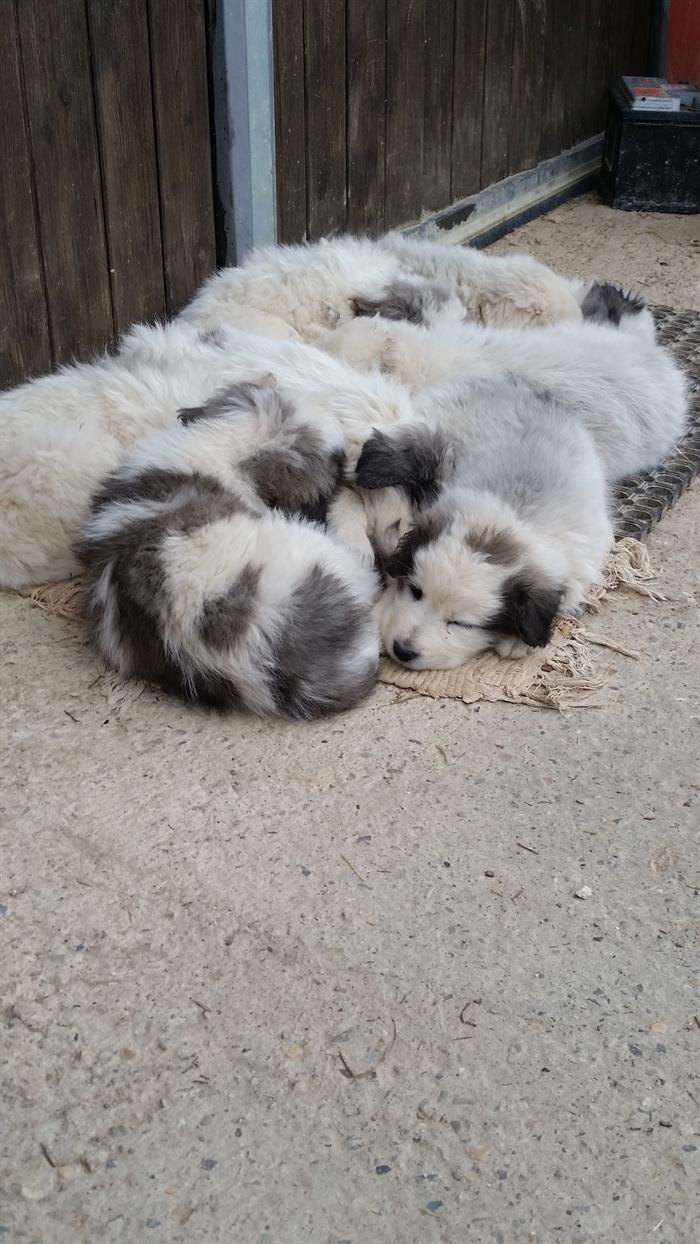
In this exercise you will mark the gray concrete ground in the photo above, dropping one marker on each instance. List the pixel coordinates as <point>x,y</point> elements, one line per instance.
<point>266,984</point>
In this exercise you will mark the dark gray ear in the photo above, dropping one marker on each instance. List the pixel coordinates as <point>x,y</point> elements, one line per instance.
<point>415,459</point>
<point>400,564</point>
<point>228,401</point>
<point>528,611</point>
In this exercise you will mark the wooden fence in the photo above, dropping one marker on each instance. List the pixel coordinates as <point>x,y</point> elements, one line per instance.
<point>385,109</point>
<point>389,108</point>
<point>106,198</point>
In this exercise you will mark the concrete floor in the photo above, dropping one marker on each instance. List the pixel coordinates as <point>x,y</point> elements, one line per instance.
<point>267,984</point>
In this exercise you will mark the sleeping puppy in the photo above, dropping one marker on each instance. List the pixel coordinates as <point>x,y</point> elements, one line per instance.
<point>195,583</point>
<point>511,523</point>
<point>622,386</point>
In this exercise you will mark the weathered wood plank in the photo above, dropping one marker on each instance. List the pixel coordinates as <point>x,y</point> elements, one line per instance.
<point>574,69</point>
<point>366,85</point>
<point>498,75</point>
<point>529,24</point>
<point>324,37</point>
<point>180,92</point>
<point>123,98</point>
<point>468,97</point>
<point>437,107</point>
<point>290,118</point>
<point>25,346</point>
<point>554,86</point>
<point>594,106</point>
<point>56,61</point>
<point>405,72</point>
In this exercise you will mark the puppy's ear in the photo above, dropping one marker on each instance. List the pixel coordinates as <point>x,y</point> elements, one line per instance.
<point>416,460</point>
<point>228,401</point>
<point>400,563</point>
<point>528,611</point>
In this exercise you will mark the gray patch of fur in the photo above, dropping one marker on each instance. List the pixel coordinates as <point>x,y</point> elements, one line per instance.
<point>229,401</point>
<point>606,303</point>
<point>153,484</point>
<point>321,620</point>
<point>404,300</point>
<point>225,618</point>
<point>498,545</point>
<point>299,478</point>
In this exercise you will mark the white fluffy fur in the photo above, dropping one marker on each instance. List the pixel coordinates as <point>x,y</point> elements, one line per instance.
<point>623,387</point>
<point>311,287</point>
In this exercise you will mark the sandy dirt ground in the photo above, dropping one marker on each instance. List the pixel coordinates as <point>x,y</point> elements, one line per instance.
<point>264,984</point>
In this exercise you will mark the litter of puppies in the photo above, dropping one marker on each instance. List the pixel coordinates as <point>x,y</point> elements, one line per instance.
<point>392,444</point>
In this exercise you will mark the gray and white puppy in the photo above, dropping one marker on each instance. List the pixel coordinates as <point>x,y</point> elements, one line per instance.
<point>624,388</point>
<point>511,526</point>
<point>200,581</point>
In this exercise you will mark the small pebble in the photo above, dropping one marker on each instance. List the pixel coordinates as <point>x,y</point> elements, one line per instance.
<point>153,1222</point>
<point>488,872</point>
<point>3,912</point>
<point>208,1164</point>
<point>584,892</point>
<point>434,1205</point>
<point>690,1148</point>
<point>382,1170</point>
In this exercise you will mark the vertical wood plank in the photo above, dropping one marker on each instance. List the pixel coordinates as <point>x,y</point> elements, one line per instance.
<point>25,347</point>
<point>405,74</point>
<point>468,97</point>
<point>596,85</point>
<point>290,118</point>
<point>529,24</point>
<point>324,36</point>
<point>437,108</point>
<point>122,77</point>
<point>366,86</point>
<point>60,111</point>
<point>574,71</point>
<point>180,92</point>
<point>498,76</point>
<point>554,86</point>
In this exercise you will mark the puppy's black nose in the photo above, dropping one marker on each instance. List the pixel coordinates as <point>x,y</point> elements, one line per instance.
<point>403,654</point>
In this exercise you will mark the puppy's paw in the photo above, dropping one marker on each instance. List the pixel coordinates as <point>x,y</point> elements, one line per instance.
<point>512,648</point>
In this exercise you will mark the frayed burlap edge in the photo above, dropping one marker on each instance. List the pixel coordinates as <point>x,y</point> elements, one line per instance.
<point>562,676</point>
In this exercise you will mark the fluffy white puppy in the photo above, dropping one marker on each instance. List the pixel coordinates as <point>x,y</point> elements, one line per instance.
<point>511,528</point>
<point>196,585</point>
<point>619,383</point>
<point>314,286</point>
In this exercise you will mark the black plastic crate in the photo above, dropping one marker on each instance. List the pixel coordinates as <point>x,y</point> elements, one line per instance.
<point>651,160</point>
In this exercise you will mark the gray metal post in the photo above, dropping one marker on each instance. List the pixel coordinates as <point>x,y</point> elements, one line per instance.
<point>242,76</point>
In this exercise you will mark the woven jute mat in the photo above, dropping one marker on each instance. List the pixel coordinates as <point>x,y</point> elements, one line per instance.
<point>565,675</point>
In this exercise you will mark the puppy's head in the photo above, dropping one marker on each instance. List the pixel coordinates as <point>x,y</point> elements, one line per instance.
<point>455,587</point>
